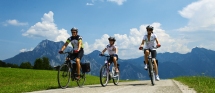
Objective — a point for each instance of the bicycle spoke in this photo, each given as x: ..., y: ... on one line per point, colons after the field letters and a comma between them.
x: 81, y: 81
x: 104, y: 77
x: 64, y: 76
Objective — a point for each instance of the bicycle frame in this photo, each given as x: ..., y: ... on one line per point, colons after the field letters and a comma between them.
x: 67, y: 72
x: 108, y: 74
x: 151, y: 69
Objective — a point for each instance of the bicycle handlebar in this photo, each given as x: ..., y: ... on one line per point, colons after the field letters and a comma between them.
x: 104, y: 55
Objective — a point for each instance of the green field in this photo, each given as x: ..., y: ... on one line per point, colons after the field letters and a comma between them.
x: 201, y: 84
x: 15, y: 80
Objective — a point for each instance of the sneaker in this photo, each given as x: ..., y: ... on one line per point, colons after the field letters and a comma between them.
x: 145, y: 67
x: 157, y: 78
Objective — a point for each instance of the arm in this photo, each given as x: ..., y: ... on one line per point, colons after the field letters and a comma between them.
x: 64, y: 46
x: 103, y: 51
x: 157, y: 41
x: 141, y: 45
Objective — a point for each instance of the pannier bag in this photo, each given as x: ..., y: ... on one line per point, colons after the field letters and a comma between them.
x: 85, y: 67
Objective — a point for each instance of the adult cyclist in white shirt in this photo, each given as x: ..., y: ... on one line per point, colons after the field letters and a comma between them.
x: 149, y: 40
x: 112, y: 51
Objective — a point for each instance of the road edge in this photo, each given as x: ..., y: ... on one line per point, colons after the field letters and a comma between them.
x: 183, y: 88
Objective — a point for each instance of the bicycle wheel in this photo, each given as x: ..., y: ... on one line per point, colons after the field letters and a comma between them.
x: 104, y: 76
x: 151, y: 72
x: 116, y: 79
x: 81, y: 81
x: 64, y: 75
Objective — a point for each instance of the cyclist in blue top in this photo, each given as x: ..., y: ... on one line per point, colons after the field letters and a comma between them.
x: 150, y: 39
x: 112, y: 51
x: 78, y: 48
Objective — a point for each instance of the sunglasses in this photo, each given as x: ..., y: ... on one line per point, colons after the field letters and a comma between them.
x: 73, y: 32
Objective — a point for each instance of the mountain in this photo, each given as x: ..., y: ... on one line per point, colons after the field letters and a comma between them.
x: 199, y: 61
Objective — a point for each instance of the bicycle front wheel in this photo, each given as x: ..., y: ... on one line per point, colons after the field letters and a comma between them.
x: 81, y: 81
x: 104, y: 76
x: 116, y: 79
x: 64, y: 75
x: 151, y: 73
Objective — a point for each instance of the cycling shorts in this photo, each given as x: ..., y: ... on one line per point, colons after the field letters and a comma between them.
x: 80, y: 54
x: 153, y: 52
x: 111, y: 57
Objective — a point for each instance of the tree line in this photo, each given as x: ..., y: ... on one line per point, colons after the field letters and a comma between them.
x: 40, y: 63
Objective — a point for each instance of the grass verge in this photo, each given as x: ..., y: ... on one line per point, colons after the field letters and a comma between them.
x: 201, y: 84
x: 15, y: 80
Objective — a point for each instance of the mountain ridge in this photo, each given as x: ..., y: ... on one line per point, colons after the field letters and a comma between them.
x: 196, y: 62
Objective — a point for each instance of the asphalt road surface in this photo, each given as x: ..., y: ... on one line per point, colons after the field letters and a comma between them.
x: 162, y: 86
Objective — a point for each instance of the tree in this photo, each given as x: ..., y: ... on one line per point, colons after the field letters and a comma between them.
x: 38, y: 64
x: 42, y: 63
x: 26, y: 65
x: 46, y: 64
x: 2, y: 64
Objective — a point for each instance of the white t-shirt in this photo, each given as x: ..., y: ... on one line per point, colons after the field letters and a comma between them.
x: 110, y: 49
x: 150, y: 44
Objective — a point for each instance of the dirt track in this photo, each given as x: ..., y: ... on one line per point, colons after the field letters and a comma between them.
x: 162, y: 86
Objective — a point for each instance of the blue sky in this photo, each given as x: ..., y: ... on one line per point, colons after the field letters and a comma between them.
x: 179, y: 24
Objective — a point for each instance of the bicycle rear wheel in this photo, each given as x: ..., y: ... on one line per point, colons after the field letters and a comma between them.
x: 104, y: 76
x: 82, y: 79
x: 151, y: 73
x: 64, y: 75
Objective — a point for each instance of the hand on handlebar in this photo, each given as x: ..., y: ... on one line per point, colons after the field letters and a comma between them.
x: 101, y: 54
x: 158, y: 45
x: 75, y: 51
x: 60, y: 52
x: 140, y: 48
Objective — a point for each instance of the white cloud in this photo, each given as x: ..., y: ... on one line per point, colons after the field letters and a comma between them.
x: 26, y: 50
x: 89, y: 4
x: 200, y: 15
x: 128, y: 44
x: 119, y: 2
x: 47, y: 29
x: 15, y: 23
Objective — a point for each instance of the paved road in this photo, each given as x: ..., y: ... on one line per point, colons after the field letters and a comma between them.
x: 162, y: 86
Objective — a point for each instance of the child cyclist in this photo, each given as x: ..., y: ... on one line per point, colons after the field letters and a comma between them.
x: 112, y: 51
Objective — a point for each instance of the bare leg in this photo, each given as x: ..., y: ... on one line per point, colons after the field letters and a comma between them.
x: 115, y: 63
x: 78, y: 66
x: 156, y: 67
x: 146, y: 56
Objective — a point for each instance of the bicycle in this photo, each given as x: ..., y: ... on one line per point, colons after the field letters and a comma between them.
x: 106, y: 74
x: 151, y: 70
x: 67, y: 72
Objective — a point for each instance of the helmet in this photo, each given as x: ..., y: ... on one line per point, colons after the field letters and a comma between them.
x: 74, y: 29
x: 112, y: 38
x: 149, y: 27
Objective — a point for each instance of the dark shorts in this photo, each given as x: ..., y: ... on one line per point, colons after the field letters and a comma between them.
x: 80, y: 54
x: 153, y: 52
x: 111, y: 58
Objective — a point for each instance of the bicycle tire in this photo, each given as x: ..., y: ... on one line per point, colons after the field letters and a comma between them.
x: 104, y: 76
x: 116, y: 79
x: 151, y: 72
x: 64, y: 75
x: 81, y: 81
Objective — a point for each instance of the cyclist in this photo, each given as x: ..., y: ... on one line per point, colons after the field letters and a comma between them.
x: 150, y: 39
x: 78, y: 49
x: 112, y: 51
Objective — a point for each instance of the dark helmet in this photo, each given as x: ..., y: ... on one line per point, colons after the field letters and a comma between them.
x: 149, y: 27
x: 111, y: 39
x: 74, y: 29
